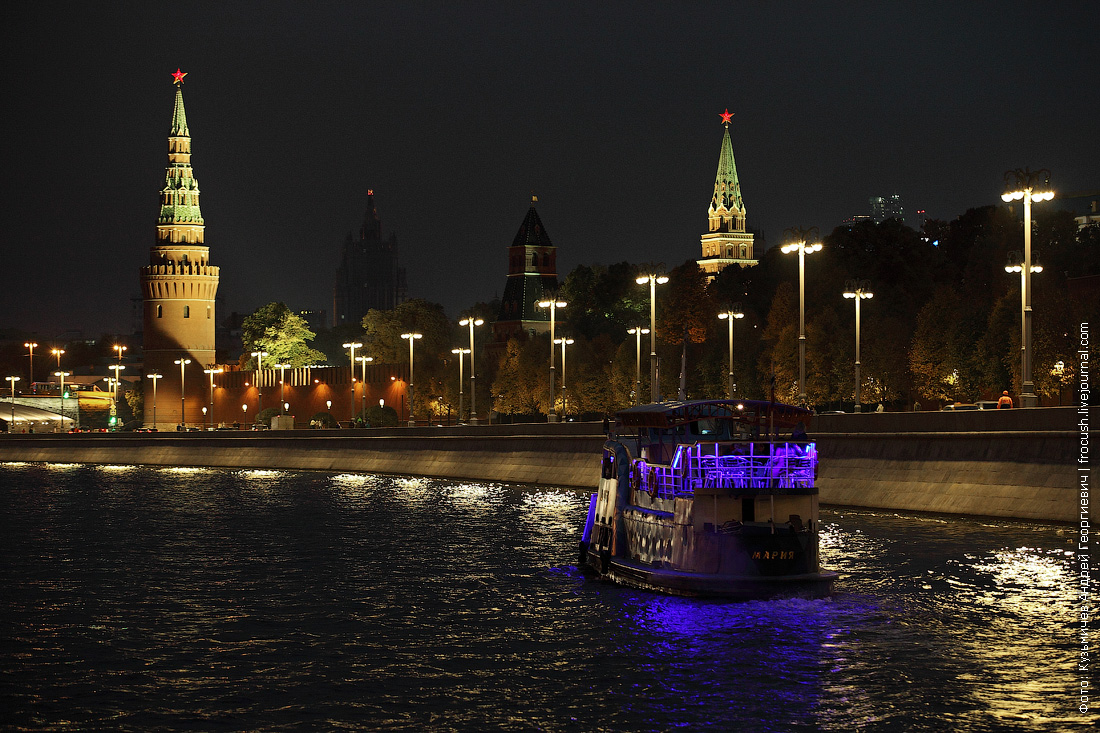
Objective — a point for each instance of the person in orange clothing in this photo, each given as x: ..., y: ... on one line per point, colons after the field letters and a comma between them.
x: 1005, y: 403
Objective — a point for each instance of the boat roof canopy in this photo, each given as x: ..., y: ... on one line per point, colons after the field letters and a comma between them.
x: 672, y: 413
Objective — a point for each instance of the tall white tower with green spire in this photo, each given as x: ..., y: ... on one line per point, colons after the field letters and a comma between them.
x: 178, y: 289
x: 726, y: 242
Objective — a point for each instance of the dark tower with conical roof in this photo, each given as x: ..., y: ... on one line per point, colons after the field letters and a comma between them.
x: 726, y: 241
x: 178, y: 289
x: 532, y: 276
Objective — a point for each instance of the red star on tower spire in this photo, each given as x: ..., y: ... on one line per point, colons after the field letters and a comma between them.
x: 178, y: 75
x: 726, y: 116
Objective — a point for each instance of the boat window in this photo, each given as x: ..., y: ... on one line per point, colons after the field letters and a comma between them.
x: 706, y: 426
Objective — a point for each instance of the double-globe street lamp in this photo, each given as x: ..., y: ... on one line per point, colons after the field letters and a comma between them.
x: 363, y: 392
x: 460, y: 351
x: 211, y: 371
x: 637, y: 332
x: 412, y: 337
x: 1023, y: 184
x: 804, y: 242
x: 730, y: 316
x: 857, y: 290
x: 553, y: 304
x: 259, y: 381
x: 563, y: 341
x: 12, y: 380
x: 154, y: 376
x: 30, y: 345
x: 353, y: 345
x: 654, y: 280
x: 62, y: 375
x: 471, y: 322
x: 183, y: 392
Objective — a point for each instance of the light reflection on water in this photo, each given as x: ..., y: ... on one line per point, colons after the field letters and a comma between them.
x: 146, y: 599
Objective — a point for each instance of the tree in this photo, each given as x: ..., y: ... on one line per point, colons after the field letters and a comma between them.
x: 282, y: 334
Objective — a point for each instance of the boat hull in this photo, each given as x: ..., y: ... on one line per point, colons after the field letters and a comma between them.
x: 710, y: 585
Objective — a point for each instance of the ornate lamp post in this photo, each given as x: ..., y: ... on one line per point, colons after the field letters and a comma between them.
x: 733, y: 314
x: 460, y: 352
x: 353, y: 345
x: 800, y: 241
x: 154, y: 376
x: 363, y: 364
x: 211, y: 371
x: 653, y: 280
x: 12, y: 380
x: 637, y: 332
x: 31, y: 346
x: 183, y: 392
x: 412, y: 337
x: 62, y: 375
x: 282, y: 386
x: 471, y: 322
x: 857, y: 291
x: 563, y: 341
x: 1023, y: 184
x: 553, y: 304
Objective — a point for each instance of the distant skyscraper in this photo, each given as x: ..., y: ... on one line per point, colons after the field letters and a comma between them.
x: 726, y: 241
x: 179, y: 287
x: 886, y: 207
x: 532, y: 276
x: 369, y: 275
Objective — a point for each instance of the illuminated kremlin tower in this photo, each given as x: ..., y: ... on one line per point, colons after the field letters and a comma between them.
x: 178, y: 287
x: 532, y: 277
x: 726, y: 242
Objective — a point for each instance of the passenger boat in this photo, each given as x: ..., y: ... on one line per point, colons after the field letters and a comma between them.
x: 704, y: 499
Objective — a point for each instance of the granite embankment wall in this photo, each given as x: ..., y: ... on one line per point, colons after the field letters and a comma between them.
x: 1002, y: 463
x: 1019, y: 463
x: 560, y: 455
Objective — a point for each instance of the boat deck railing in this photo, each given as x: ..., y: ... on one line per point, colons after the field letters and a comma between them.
x: 755, y: 466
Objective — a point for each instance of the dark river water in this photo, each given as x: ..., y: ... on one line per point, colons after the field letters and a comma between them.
x: 147, y: 599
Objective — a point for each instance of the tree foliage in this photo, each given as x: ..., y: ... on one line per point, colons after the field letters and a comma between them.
x: 283, y: 334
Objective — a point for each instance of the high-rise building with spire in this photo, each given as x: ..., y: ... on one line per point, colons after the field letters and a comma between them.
x: 726, y: 241
x: 369, y: 275
x: 178, y: 287
x: 532, y: 276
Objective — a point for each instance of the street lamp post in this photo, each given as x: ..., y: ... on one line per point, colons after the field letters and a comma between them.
x: 183, y: 392
x: 412, y: 337
x: 282, y: 386
x: 1023, y: 184
x: 654, y: 281
x: 563, y: 341
x: 58, y: 353
x: 471, y: 322
x: 259, y: 381
x: 30, y: 345
x: 553, y: 304
x: 155, y: 377
x: 460, y: 352
x: 353, y: 345
x: 800, y: 242
x: 637, y: 332
x: 731, y: 315
x: 12, y: 380
x: 62, y: 375
x: 212, y: 371
x: 857, y: 291
x: 363, y: 364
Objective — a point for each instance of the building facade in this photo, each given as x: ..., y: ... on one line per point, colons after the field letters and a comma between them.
x: 369, y: 275
x: 726, y: 241
x: 532, y: 277
x: 179, y: 287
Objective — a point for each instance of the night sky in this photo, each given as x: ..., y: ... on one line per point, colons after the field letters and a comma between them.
x: 456, y: 112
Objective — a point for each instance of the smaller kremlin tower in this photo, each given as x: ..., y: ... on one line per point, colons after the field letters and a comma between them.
x: 532, y: 277
x: 178, y: 288
x: 726, y: 243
